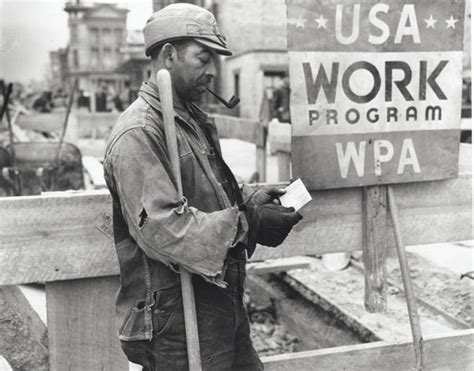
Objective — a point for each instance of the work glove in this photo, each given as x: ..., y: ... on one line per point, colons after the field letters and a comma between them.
x: 269, y: 224
x: 265, y: 196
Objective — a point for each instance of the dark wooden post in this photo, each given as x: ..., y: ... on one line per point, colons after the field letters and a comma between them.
x: 374, y: 219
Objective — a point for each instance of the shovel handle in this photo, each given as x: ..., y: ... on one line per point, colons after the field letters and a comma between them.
x: 192, y: 337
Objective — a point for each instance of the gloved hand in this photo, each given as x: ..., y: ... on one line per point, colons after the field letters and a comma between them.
x: 269, y: 224
x: 266, y: 195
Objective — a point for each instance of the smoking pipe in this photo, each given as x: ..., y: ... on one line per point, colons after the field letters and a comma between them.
x: 233, y: 101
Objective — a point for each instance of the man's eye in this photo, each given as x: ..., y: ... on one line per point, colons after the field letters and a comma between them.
x: 204, y: 60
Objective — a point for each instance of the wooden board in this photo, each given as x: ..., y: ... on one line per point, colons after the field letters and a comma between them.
x: 64, y: 236
x: 374, y: 247
x: 429, y: 212
x: 239, y: 128
x: 279, y: 265
x: 69, y: 235
x: 373, y: 107
x: 449, y: 352
x: 81, y: 325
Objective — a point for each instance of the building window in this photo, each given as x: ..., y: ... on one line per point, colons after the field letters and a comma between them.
x: 118, y: 36
x: 271, y: 81
x: 107, y: 37
x: 237, y: 84
x: 94, y: 36
x: 74, y: 33
x: 94, y: 58
x: 108, y: 60
x: 75, y: 58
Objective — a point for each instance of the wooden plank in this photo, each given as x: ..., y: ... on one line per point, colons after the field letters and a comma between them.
x: 279, y: 136
x: 374, y: 247
x: 81, y: 325
x: 429, y: 212
x: 279, y: 265
x: 23, y: 340
x: 70, y: 235
x: 239, y: 128
x: 63, y: 236
x: 443, y: 352
x: 284, y: 166
x: 261, y: 163
x: 42, y: 121
x: 261, y: 156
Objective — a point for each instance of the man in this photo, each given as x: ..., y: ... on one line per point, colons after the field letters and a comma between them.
x: 208, y: 232
x: 281, y: 102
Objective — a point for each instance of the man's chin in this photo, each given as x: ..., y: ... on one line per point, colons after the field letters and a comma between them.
x: 196, y: 97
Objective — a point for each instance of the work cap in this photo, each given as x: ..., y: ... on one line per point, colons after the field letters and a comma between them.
x: 184, y: 21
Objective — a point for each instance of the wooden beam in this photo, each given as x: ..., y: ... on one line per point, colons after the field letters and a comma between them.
x: 284, y: 166
x: 280, y: 265
x: 65, y: 236
x: 430, y: 212
x: 449, y: 352
x: 69, y: 235
x: 374, y: 247
x: 239, y: 128
x: 82, y: 331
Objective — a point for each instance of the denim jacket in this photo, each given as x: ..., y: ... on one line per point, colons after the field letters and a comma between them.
x: 154, y: 229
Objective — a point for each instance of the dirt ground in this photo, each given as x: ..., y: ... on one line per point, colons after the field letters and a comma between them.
x: 445, y: 301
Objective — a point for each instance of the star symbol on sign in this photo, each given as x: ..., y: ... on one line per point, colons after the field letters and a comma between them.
x: 300, y: 21
x: 321, y: 21
x: 430, y: 22
x: 450, y: 22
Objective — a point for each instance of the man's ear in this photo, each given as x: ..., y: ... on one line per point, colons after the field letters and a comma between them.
x: 170, y: 55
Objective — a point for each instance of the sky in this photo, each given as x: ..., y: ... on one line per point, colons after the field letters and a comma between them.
x: 29, y: 29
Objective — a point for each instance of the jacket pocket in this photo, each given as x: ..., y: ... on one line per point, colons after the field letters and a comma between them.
x: 167, y: 308
x: 134, y: 326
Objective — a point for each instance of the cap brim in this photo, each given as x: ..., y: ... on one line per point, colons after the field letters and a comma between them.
x: 219, y: 49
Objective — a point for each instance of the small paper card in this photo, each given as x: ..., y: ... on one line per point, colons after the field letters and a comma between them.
x: 296, y: 195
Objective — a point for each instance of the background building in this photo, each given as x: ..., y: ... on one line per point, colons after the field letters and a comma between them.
x: 102, y: 53
x: 258, y: 40
x: 59, y: 68
x: 97, y: 34
x: 256, y: 32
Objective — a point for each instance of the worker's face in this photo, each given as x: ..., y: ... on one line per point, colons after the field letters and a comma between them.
x: 193, y: 71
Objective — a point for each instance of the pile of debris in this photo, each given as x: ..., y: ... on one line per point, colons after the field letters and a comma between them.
x: 268, y: 336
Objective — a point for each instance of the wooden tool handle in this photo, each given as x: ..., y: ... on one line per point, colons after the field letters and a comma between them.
x: 166, y: 98
x: 192, y: 337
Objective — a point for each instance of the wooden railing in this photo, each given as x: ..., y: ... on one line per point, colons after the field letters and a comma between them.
x: 65, y: 240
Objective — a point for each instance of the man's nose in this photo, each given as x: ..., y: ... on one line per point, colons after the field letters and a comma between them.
x: 211, y: 69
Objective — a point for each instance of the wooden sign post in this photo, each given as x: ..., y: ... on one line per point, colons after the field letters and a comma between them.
x: 375, y: 100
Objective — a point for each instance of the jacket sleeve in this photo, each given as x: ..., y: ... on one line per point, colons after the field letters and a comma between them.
x: 164, y: 226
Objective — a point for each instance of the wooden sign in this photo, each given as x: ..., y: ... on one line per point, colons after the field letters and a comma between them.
x: 375, y: 90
